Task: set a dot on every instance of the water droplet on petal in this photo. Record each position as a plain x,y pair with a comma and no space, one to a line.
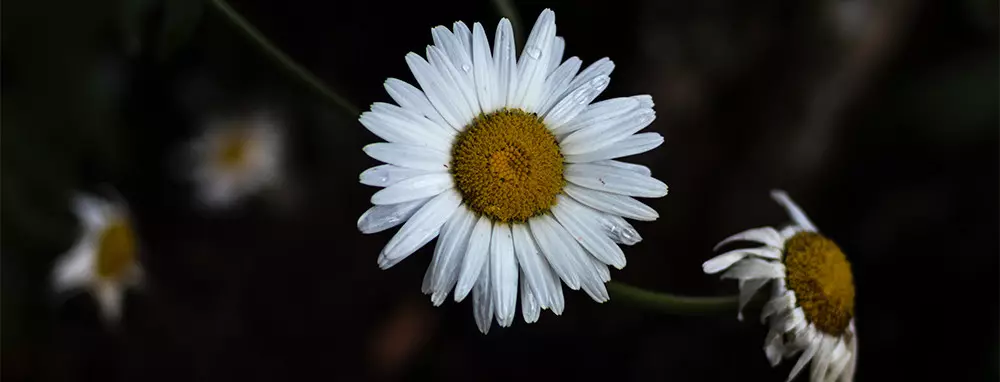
533,51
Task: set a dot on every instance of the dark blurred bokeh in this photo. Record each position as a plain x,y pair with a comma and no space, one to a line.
879,117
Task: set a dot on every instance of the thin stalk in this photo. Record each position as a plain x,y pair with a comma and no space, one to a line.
268,48
671,304
507,9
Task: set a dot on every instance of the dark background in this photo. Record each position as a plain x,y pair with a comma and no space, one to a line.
879,117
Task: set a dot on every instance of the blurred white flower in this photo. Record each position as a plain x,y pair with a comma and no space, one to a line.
509,160
103,261
811,309
237,157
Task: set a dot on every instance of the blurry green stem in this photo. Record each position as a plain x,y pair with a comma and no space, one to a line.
672,304
506,9
272,51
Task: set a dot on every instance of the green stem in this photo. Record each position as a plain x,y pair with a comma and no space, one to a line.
672,304
507,9
286,62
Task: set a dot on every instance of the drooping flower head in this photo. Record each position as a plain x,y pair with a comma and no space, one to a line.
811,308
506,160
103,260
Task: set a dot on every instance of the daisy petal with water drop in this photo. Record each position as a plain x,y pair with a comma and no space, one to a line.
103,261
237,157
509,163
810,311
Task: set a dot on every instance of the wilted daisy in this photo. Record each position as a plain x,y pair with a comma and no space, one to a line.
103,259
811,308
237,157
507,159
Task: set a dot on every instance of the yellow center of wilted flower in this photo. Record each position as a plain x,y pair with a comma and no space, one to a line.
821,277
233,150
507,166
115,250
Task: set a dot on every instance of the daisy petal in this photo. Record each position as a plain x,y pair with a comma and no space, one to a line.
440,95
615,180
645,101
417,187
580,222
456,51
637,168
455,80
602,67
110,298
483,71
821,362
573,103
805,357
91,211
841,357
505,62
748,289
764,235
607,111
74,269
755,269
448,254
598,136
635,144
591,271
777,305
774,349
427,128
529,305
791,320
558,48
615,204
503,274
532,65
387,175
482,300
619,230
543,229
411,98
557,84
725,260
475,257
556,299
421,228
798,216
409,156
536,271
463,35
381,218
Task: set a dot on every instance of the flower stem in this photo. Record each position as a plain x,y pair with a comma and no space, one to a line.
507,9
672,304
276,54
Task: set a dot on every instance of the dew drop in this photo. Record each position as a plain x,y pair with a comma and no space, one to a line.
533,51
466,67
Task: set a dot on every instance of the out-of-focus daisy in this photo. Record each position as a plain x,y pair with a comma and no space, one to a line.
237,157
507,159
103,260
811,308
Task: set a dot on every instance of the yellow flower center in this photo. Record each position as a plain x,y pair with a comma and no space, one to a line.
821,277
507,166
233,151
115,250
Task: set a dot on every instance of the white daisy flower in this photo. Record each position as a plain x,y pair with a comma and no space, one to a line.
811,308
509,161
237,157
103,260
